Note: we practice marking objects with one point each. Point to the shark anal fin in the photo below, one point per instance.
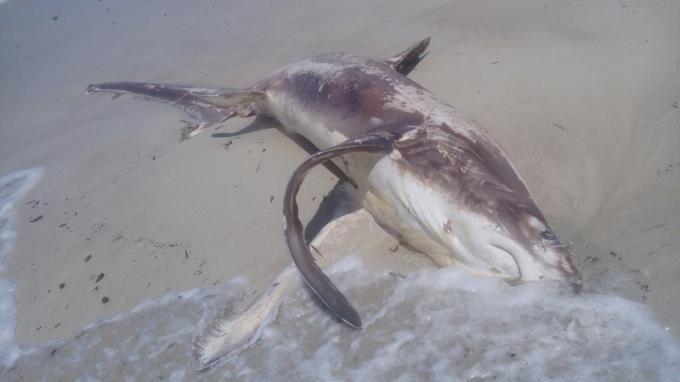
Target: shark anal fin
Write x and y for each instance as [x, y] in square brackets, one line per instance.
[311, 149]
[317, 281]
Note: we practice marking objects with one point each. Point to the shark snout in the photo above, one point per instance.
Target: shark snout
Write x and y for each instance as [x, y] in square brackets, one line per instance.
[568, 270]
[573, 277]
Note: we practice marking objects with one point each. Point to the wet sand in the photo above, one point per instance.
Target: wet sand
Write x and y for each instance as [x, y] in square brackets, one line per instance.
[584, 97]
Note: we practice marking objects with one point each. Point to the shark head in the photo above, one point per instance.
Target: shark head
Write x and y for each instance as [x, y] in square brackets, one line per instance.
[509, 240]
[467, 198]
[522, 232]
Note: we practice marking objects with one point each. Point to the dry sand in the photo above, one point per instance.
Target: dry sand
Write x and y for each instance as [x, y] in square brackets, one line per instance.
[583, 96]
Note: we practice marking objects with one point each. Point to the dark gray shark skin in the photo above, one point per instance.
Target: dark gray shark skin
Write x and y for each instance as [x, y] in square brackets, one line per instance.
[428, 175]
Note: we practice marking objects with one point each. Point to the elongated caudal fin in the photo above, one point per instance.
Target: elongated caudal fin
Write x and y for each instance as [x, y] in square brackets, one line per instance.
[208, 105]
[407, 60]
[225, 336]
[317, 281]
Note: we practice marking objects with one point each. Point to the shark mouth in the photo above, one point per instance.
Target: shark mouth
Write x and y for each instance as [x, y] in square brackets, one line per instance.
[516, 273]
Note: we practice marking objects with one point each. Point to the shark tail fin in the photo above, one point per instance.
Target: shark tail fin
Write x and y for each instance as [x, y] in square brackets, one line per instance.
[209, 106]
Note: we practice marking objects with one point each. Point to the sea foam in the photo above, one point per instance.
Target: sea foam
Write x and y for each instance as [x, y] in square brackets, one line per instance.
[435, 324]
[13, 187]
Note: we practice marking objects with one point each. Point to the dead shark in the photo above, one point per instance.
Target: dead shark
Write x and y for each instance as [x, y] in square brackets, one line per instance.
[429, 176]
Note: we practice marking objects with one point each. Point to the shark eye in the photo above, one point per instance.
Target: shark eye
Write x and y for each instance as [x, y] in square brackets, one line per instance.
[547, 235]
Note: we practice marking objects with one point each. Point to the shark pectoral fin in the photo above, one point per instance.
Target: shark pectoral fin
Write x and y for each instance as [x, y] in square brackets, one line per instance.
[209, 106]
[317, 281]
[407, 60]
[311, 149]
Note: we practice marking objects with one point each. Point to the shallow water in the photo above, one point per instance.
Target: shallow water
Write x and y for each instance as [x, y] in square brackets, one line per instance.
[433, 324]
[13, 187]
[436, 324]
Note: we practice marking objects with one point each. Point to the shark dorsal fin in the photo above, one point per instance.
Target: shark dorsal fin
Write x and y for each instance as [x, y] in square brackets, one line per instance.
[407, 60]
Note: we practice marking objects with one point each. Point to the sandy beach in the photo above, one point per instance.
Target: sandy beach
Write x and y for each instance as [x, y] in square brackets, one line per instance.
[584, 97]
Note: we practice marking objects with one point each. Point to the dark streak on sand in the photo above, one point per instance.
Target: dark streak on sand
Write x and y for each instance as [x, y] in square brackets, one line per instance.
[666, 245]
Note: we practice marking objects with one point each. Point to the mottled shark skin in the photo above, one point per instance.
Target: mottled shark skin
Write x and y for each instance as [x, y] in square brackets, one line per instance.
[427, 174]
